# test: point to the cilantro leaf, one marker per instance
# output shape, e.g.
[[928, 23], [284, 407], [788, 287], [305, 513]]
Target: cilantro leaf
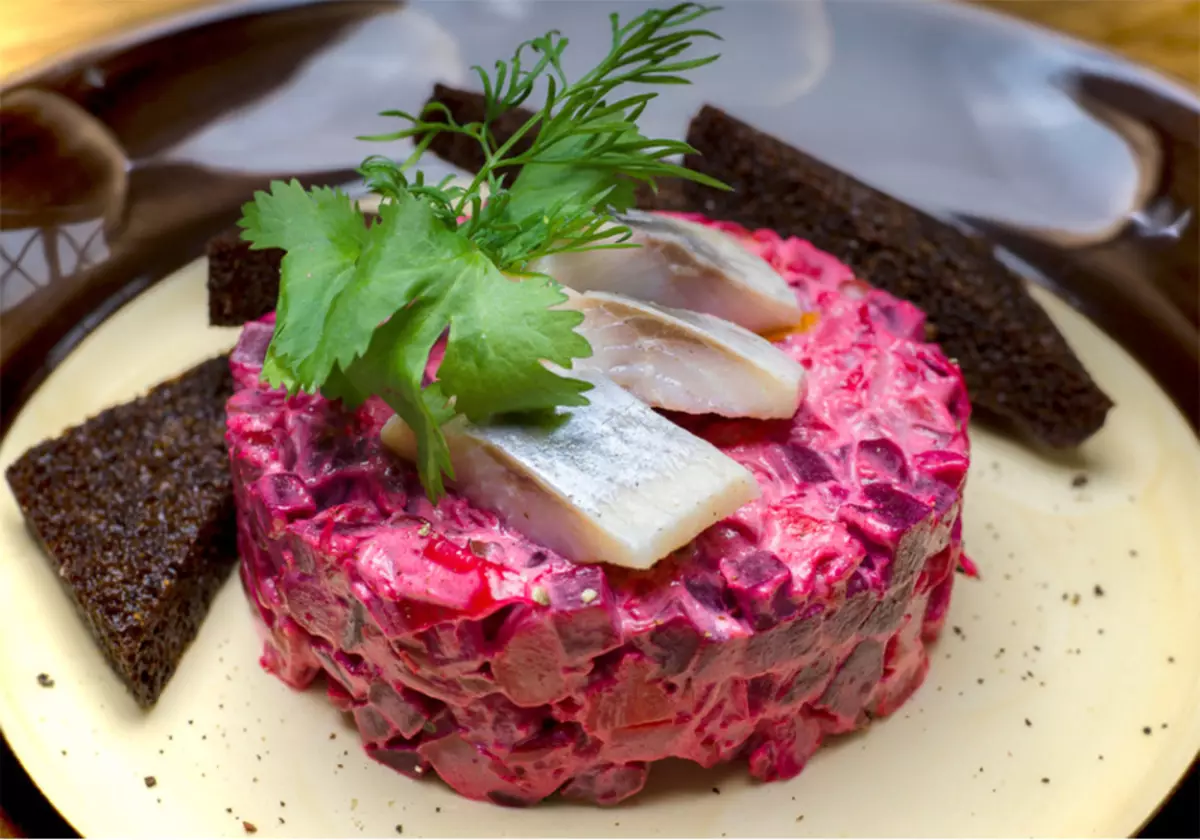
[[505, 328], [322, 234], [366, 308], [392, 368]]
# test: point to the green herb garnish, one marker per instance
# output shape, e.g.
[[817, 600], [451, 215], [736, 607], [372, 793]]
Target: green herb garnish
[[361, 307]]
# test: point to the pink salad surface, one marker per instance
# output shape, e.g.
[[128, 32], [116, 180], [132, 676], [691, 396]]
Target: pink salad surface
[[804, 615]]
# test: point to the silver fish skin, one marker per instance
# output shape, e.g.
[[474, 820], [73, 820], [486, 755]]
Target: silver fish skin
[[682, 265], [615, 483], [686, 361]]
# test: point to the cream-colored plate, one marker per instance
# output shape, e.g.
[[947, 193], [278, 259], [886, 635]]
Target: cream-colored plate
[[1064, 701]]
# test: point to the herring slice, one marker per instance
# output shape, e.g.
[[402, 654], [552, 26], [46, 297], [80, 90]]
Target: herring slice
[[686, 361], [682, 265], [616, 483]]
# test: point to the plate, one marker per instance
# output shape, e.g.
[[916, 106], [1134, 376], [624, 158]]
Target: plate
[[1064, 699]]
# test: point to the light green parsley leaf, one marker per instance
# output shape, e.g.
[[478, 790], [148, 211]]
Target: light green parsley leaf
[[322, 234], [502, 330], [366, 308]]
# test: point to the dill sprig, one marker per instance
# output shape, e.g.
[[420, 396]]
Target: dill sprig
[[583, 154]]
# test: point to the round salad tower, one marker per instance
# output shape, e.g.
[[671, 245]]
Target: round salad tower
[[747, 569]]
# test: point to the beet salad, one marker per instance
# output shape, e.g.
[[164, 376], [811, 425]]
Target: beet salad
[[549, 487]]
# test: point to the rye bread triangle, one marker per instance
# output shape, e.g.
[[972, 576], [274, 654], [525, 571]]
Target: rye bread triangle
[[1017, 365], [134, 508]]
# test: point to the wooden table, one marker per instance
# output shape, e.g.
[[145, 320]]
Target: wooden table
[[1164, 34]]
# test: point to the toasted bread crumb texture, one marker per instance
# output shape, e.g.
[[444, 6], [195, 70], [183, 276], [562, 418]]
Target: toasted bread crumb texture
[[463, 649], [135, 510], [243, 284]]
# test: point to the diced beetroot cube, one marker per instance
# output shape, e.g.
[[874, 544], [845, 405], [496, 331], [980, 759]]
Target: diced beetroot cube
[[629, 696], [852, 684], [760, 584], [783, 747], [401, 756], [608, 784], [582, 606], [406, 710], [529, 664]]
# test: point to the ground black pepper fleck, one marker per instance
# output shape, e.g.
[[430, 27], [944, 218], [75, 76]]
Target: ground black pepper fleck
[[1045, 780], [135, 510], [399, 829], [45, 681], [151, 781], [716, 790], [1028, 722], [1098, 591], [1146, 730], [1080, 480]]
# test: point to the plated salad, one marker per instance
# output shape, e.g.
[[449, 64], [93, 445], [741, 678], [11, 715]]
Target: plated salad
[[590, 458]]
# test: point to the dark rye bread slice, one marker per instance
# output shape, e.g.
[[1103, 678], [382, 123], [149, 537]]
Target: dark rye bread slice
[[134, 508], [243, 284], [1018, 367]]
